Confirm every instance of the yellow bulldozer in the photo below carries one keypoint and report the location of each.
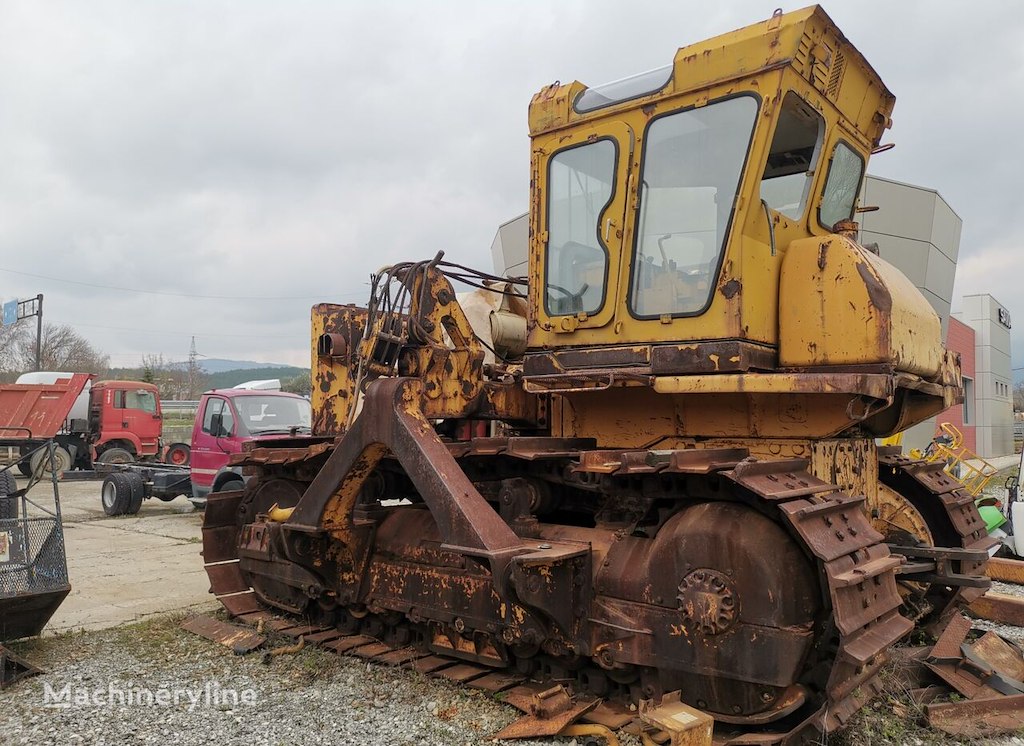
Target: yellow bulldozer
(657, 470)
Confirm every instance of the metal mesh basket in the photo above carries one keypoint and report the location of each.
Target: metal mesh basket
(32, 556)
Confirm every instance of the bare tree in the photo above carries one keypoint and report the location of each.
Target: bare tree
(9, 339)
(174, 380)
(62, 349)
(1018, 396)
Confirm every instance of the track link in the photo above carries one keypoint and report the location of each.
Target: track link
(953, 518)
(860, 600)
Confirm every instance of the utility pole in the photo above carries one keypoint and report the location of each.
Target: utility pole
(16, 310)
(192, 370)
(39, 332)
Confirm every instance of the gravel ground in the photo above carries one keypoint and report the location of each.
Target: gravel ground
(313, 697)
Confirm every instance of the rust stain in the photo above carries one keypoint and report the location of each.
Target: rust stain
(731, 288)
(877, 291)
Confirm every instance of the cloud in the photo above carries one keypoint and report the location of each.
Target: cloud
(274, 150)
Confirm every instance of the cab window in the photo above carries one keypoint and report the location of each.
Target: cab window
(214, 407)
(842, 186)
(689, 178)
(139, 399)
(580, 187)
(786, 183)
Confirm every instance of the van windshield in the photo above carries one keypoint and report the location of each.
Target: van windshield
(264, 414)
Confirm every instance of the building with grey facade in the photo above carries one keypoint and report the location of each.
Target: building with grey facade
(993, 378)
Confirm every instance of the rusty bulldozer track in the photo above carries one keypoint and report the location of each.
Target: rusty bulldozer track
(813, 673)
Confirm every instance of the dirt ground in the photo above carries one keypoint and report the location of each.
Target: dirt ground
(127, 568)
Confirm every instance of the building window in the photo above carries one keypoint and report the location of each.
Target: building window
(968, 401)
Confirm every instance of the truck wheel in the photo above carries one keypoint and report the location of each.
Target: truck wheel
(116, 456)
(122, 493)
(25, 468)
(178, 454)
(116, 494)
(230, 485)
(41, 460)
(138, 488)
(8, 505)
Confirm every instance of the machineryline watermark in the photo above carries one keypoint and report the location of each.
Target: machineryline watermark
(119, 694)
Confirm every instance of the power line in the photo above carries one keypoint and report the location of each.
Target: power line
(179, 295)
(181, 334)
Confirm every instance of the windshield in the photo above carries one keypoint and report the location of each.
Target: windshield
(263, 414)
(140, 399)
(689, 179)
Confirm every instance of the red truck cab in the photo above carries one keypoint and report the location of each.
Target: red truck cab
(125, 415)
(228, 418)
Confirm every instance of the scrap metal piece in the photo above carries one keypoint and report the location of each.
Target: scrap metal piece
(999, 607)
(965, 678)
(948, 646)
(14, 668)
(685, 725)
(1004, 659)
(592, 731)
(548, 711)
(1005, 570)
(610, 715)
(239, 639)
(978, 718)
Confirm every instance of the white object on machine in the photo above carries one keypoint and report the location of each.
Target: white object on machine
(80, 409)
(270, 384)
(1017, 521)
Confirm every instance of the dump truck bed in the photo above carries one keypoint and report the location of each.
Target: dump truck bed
(38, 410)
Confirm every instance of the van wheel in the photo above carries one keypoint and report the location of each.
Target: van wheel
(116, 456)
(122, 493)
(8, 504)
(41, 460)
(231, 485)
(178, 454)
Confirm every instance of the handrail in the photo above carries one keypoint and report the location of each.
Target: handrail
(956, 456)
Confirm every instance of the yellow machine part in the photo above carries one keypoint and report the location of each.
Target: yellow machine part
(806, 57)
(844, 305)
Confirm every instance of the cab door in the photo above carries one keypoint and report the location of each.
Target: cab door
(139, 410)
(581, 189)
(214, 425)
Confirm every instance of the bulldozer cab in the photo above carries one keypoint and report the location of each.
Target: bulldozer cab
(663, 204)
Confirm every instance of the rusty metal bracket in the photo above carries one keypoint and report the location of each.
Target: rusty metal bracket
(14, 668)
(979, 717)
(392, 422)
(548, 711)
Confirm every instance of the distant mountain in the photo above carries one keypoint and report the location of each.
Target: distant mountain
(219, 365)
(225, 379)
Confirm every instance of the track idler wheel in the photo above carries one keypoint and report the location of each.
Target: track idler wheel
(731, 601)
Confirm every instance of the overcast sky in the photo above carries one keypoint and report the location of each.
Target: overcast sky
(278, 152)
